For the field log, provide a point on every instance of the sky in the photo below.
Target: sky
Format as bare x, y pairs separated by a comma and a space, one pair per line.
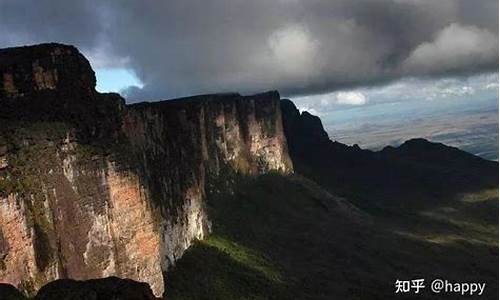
163, 49
357, 64
426, 92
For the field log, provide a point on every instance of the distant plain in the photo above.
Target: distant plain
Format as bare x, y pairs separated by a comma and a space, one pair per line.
473, 128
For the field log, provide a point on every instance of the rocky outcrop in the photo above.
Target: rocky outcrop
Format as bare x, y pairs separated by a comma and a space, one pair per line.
105, 288
303, 130
54, 82
9, 292
91, 187
414, 166
69, 289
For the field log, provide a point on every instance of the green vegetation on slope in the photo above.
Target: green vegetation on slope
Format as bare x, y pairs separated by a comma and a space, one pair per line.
218, 268
284, 237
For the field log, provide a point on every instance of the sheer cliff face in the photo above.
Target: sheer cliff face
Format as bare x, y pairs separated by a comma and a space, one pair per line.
90, 187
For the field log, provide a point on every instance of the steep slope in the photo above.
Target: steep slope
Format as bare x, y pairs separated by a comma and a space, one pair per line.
423, 191
274, 237
422, 210
91, 187
281, 237
417, 169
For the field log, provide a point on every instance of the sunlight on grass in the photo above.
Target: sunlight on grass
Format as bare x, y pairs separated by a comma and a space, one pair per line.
445, 239
471, 218
461, 223
484, 195
244, 256
454, 239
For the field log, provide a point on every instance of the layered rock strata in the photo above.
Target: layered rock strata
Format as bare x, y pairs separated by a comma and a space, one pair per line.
91, 187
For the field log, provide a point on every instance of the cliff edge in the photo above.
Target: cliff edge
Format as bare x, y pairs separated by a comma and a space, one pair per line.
91, 187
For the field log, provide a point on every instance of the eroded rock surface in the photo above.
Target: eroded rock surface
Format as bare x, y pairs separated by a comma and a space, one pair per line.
91, 187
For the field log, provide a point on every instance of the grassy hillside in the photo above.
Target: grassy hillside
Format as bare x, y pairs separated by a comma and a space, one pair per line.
281, 237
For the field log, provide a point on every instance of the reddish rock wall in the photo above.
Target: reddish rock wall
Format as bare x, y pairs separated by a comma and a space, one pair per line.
92, 188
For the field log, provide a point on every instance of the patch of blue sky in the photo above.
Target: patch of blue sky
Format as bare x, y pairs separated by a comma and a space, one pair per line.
116, 79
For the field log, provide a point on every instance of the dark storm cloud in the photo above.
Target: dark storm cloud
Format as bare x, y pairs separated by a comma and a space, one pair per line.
27, 21
297, 46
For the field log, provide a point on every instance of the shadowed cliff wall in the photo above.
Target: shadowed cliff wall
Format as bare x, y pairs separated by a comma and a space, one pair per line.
91, 187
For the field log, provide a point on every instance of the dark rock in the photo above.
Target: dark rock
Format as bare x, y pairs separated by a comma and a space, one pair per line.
415, 167
55, 82
9, 292
302, 130
97, 289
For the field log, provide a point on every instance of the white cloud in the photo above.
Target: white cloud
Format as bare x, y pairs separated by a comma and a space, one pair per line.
100, 57
310, 110
445, 92
293, 49
324, 102
351, 98
471, 88
454, 47
491, 86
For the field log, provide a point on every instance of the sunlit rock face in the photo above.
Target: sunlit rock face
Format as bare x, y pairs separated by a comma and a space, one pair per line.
66, 212
91, 187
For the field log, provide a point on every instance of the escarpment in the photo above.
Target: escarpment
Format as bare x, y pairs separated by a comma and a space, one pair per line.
91, 187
